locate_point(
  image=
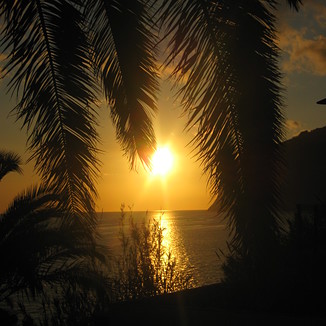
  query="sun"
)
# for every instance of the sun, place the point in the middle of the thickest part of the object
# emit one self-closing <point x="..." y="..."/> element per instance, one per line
<point x="162" y="161"/>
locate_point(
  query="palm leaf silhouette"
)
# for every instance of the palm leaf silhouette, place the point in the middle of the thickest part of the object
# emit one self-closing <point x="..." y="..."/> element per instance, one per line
<point x="123" y="38"/>
<point x="226" y="59"/>
<point x="38" y="250"/>
<point x="9" y="162"/>
<point x="294" y="3"/>
<point x="48" y="62"/>
<point x="51" y="65"/>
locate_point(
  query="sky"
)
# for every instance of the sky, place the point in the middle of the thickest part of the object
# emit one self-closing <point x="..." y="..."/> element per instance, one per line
<point x="302" y="39"/>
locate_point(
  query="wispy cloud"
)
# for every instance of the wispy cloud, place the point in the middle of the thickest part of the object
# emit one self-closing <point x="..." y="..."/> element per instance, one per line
<point x="293" y="128"/>
<point x="305" y="47"/>
<point x="293" y="125"/>
<point x="319" y="12"/>
<point x="303" y="54"/>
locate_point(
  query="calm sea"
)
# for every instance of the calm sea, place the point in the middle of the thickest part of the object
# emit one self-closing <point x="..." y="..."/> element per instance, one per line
<point x="193" y="237"/>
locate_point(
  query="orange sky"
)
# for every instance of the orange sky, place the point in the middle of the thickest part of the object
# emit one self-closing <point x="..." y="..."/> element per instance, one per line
<point x="183" y="188"/>
<point x="303" y="41"/>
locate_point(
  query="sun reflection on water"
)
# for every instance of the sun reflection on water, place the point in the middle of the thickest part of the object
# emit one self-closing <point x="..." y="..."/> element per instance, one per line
<point x="193" y="238"/>
<point x="173" y="243"/>
<point x="167" y="229"/>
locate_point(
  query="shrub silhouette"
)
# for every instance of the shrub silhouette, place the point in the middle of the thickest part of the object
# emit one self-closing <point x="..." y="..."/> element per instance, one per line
<point x="146" y="266"/>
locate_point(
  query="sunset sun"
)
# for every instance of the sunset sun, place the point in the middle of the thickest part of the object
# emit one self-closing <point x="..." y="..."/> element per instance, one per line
<point x="162" y="161"/>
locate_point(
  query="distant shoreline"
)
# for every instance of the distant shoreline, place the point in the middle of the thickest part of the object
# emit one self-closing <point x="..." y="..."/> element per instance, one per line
<point x="155" y="210"/>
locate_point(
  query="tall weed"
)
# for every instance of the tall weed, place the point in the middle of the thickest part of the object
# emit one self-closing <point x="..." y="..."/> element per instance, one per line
<point x="146" y="267"/>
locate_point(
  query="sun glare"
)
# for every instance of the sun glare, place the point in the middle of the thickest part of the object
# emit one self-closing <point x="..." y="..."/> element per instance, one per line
<point x="162" y="161"/>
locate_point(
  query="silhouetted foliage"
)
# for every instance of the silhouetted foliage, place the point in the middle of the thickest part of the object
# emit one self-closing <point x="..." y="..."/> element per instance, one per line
<point x="123" y="38"/>
<point x="226" y="58"/>
<point x="56" y="51"/>
<point x="304" y="244"/>
<point x="9" y="162"/>
<point x="294" y="3"/>
<point x="146" y="266"/>
<point x="42" y="257"/>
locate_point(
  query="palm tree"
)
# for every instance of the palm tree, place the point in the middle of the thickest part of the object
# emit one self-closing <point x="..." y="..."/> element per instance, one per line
<point x="123" y="38"/>
<point x="9" y="162"/>
<point x="227" y="51"/>
<point x="56" y="51"/>
<point x="40" y="255"/>
<point x="43" y="257"/>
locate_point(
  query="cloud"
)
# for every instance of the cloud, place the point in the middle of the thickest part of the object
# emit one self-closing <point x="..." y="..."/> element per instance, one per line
<point x="293" y="125"/>
<point x="303" y="38"/>
<point x="303" y="54"/>
<point x="319" y="12"/>
<point x="293" y="128"/>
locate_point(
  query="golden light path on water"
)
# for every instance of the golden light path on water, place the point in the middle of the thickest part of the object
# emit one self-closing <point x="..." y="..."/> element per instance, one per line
<point x="192" y="237"/>
<point x="173" y="243"/>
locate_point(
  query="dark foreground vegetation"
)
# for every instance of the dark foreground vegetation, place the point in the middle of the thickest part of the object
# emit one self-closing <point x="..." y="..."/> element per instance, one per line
<point x="142" y="285"/>
<point x="292" y="293"/>
<point x="219" y="305"/>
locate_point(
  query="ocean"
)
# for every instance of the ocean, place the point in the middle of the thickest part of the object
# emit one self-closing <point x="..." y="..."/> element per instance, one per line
<point x="194" y="238"/>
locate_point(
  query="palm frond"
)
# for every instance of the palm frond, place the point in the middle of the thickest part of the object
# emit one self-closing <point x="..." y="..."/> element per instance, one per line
<point x="9" y="162"/>
<point x="232" y="93"/>
<point x="48" y="62"/>
<point x="123" y="37"/>
<point x="37" y="248"/>
<point x="295" y="4"/>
